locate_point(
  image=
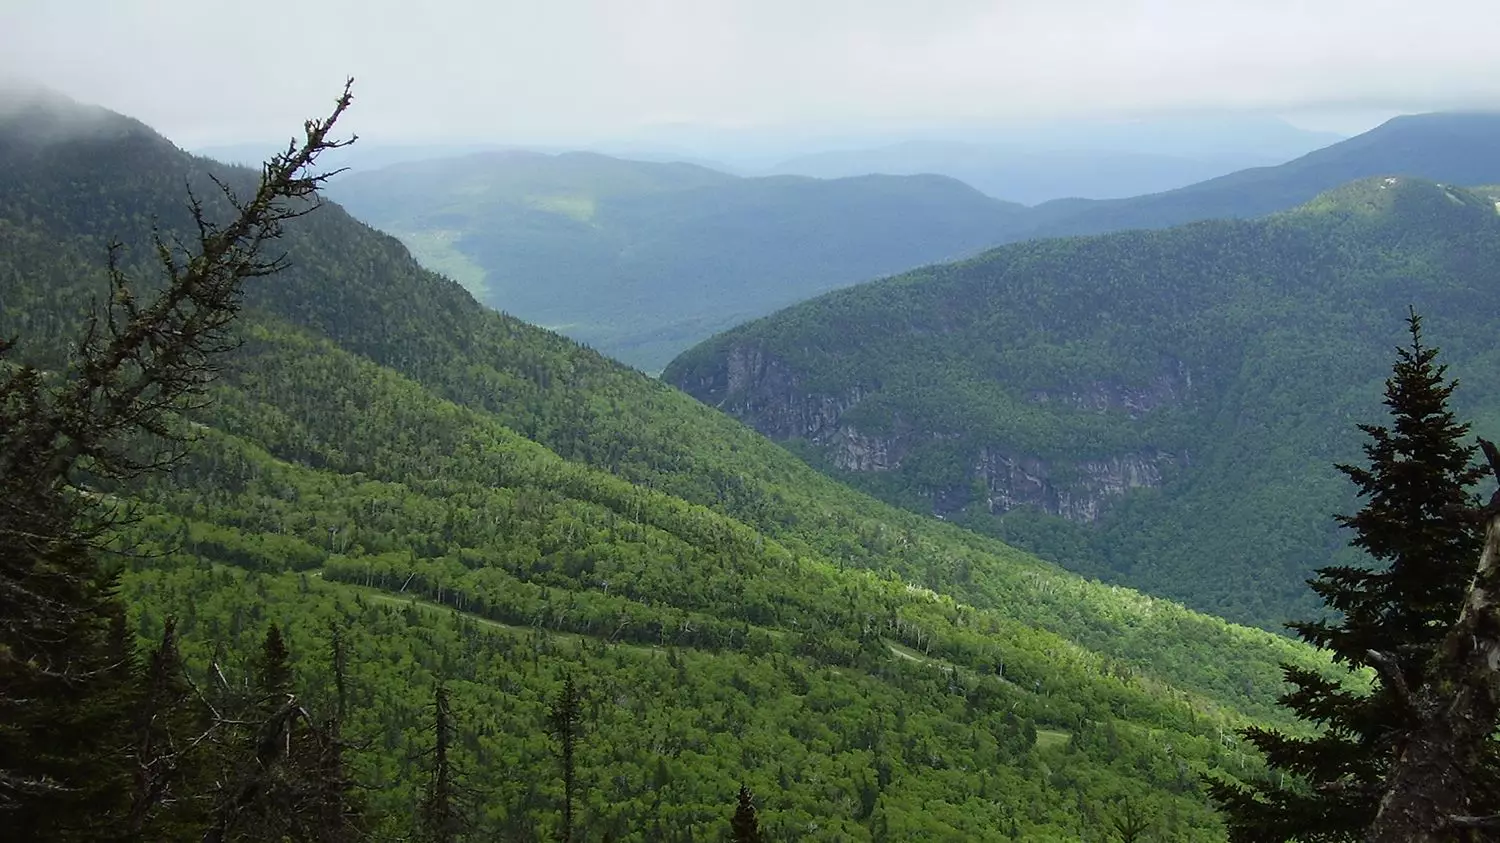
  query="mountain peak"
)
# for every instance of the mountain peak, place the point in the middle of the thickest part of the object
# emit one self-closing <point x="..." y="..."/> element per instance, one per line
<point x="1397" y="196"/>
<point x="35" y="115"/>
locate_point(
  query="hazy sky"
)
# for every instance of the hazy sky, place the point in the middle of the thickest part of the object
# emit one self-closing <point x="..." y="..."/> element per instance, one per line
<point x="531" y="71"/>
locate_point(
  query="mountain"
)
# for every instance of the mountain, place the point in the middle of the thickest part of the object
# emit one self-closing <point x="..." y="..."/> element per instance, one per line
<point x="1454" y="148"/>
<point x="469" y="498"/>
<point x="1025" y="175"/>
<point x="1161" y="409"/>
<point x="641" y="259"/>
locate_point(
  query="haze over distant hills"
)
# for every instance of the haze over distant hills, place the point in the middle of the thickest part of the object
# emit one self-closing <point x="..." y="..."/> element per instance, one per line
<point x="1080" y="159"/>
<point x="1455" y="148"/>
<point x="1028" y="176"/>
<point x="641" y="260"/>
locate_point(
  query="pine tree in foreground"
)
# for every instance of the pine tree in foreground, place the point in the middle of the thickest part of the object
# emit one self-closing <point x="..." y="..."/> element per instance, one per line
<point x="1441" y="786"/>
<point x="746" y="823"/>
<point x="283" y="777"/>
<point x="1417" y="524"/>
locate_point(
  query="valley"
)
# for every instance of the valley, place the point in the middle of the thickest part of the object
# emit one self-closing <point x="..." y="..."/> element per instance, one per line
<point x="748" y="422"/>
<point x="647" y="259"/>
<point x="379" y="429"/>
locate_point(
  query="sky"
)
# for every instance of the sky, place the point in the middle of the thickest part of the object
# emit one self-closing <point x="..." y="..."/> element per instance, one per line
<point x="576" y="71"/>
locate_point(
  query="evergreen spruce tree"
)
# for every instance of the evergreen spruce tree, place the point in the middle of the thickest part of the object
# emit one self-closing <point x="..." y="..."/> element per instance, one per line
<point x="440" y="818"/>
<point x="1417" y="525"/>
<point x="746" y="824"/>
<point x="565" y="722"/>
<point x="272" y="671"/>
<point x="340" y="810"/>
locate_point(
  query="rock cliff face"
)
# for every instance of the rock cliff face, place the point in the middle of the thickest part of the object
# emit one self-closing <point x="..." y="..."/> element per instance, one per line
<point x="763" y="391"/>
<point x="1169" y="387"/>
<point x="1081" y="494"/>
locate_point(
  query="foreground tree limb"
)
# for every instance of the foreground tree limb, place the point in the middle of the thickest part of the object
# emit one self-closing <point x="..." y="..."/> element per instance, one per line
<point x="113" y="413"/>
<point x="1437" y="774"/>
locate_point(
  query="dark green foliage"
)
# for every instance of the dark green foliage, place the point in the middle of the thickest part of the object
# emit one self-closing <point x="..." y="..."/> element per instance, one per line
<point x="1135" y="404"/>
<point x="1418" y="527"/>
<point x="745" y="827"/>
<point x="272" y="679"/>
<point x="283" y="773"/>
<point x="565" y="725"/>
<point x="173" y="769"/>
<point x="440" y="815"/>
<point x="1417" y="522"/>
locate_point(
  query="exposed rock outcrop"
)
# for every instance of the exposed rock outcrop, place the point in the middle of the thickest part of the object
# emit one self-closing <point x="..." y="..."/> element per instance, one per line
<point x="1082" y="492"/>
<point x="763" y="391"/>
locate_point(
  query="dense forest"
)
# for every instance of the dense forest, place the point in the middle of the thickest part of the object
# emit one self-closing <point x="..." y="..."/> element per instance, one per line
<point x="1158" y="409"/>
<point x="465" y="502"/>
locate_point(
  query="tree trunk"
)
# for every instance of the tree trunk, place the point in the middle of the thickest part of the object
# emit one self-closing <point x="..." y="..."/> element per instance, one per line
<point x="1433" y="785"/>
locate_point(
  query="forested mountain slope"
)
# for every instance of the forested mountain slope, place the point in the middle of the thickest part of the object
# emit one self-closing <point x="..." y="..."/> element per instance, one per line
<point x="642" y="259"/>
<point x="1159" y="408"/>
<point x="472" y="498"/>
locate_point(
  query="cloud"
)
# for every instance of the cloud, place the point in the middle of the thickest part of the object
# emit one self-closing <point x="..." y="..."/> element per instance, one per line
<point x="574" y="70"/>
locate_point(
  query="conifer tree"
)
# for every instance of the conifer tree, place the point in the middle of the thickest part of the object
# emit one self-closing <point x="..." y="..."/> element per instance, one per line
<point x="339" y="810"/>
<point x="565" y="721"/>
<point x="284" y="777"/>
<point x="172" y="754"/>
<point x="273" y="672"/>
<point x="440" y="818"/>
<point x="1417" y="525"/>
<point x="746" y="824"/>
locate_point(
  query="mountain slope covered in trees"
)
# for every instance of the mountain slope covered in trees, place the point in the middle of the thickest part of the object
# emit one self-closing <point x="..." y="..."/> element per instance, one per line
<point x="472" y="499"/>
<point x="1159" y="408"/>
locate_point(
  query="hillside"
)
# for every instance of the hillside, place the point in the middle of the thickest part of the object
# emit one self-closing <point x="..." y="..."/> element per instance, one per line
<point x="471" y="498"/>
<point x="1161" y="409"/>
<point x="1454" y="148"/>
<point x="640" y="259"/>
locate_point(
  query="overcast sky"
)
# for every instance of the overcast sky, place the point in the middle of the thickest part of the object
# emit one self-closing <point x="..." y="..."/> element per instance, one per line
<point x="533" y="71"/>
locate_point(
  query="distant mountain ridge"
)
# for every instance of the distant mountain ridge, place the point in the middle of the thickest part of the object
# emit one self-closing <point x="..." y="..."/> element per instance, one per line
<point x="641" y="260"/>
<point x="1455" y="148"/>
<point x="1158" y="408"/>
